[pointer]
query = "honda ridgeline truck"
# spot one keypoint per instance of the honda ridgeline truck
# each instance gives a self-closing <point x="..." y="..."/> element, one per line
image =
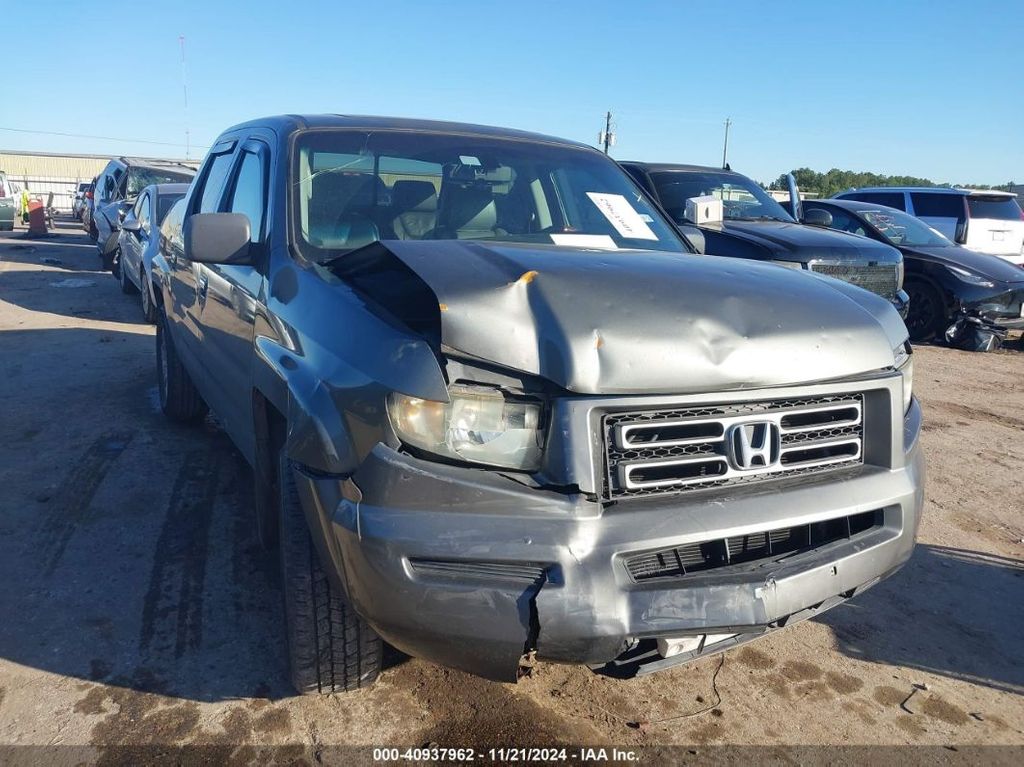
<point x="496" y="407"/>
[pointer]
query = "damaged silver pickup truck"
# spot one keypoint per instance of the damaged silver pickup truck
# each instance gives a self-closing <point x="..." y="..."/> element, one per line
<point x="496" y="406"/>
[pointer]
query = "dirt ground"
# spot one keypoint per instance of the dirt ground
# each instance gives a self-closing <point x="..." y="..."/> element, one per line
<point x="136" y="610"/>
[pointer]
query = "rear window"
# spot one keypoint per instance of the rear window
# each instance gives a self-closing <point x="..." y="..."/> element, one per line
<point x="937" y="204"/>
<point x="1001" y="208"/>
<point x="891" y="199"/>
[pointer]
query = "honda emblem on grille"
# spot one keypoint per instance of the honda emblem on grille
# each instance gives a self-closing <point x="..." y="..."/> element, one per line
<point x="753" y="445"/>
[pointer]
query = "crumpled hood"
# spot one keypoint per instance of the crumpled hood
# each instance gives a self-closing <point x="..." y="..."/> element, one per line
<point x="986" y="265"/>
<point x="802" y="243"/>
<point x="644" y="322"/>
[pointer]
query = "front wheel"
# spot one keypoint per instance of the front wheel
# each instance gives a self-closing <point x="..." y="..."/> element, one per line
<point x="330" y="648"/>
<point x="127" y="286"/>
<point x="146" y="299"/>
<point x="179" y="398"/>
<point x="926" y="313"/>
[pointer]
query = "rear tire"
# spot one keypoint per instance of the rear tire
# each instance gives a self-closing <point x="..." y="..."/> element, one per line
<point x="179" y="398"/>
<point x="926" y="314"/>
<point x="330" y="648"/>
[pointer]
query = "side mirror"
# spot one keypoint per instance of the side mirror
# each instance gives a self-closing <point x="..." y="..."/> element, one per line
<point x="817" y="217"/>
<point x="217" y="238"/>
<point x="131" y="224"/>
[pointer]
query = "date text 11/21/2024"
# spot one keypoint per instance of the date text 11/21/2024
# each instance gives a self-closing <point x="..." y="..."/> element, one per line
<point x="503" y="755"/>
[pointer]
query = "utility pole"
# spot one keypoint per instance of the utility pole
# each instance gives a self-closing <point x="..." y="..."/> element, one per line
<point x="184" y="88"/>
<point x="725" y="149"/>
<point x="606" y="137"/>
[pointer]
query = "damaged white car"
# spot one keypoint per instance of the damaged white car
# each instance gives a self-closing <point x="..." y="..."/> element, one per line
<point x="496" y="406"/>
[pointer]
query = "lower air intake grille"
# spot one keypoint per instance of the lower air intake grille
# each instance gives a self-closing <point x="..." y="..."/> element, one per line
<point x="744" y="552"/>
<point x="881" y="279"/>
<point x="517" y="572"/>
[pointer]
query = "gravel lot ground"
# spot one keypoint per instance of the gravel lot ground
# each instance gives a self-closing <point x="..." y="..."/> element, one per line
<point x="136" y="609"/>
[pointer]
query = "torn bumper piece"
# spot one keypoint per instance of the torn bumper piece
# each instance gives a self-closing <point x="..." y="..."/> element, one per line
<point x="471" y="569"/>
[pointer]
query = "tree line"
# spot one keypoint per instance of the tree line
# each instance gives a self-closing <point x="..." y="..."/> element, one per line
<point x="836" y="180"/>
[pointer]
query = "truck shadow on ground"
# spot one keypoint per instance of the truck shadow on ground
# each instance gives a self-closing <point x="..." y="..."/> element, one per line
<point x="127" y="552"/>
<point x="951" y="612"/>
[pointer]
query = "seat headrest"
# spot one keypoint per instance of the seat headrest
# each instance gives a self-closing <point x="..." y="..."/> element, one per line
<point x="470" y="207"/>
<point x="408" y="196"/>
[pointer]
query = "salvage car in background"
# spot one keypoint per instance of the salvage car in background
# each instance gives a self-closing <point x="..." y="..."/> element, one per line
<point x="139" y="241"/>
<point x="494" y="404"/>
<point x="8" y="203"/>
<point x="984" y="220"/>
<point x="968" y="298"/>
<point x="115" y="191"/>
<point x="756" y="226"/>
<point x="83" y="193"/>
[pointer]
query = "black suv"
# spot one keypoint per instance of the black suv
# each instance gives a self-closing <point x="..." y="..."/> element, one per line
<point x="756" y="226"/>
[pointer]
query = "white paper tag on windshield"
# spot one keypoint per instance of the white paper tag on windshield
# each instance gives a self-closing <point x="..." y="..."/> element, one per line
<point x="466" y="159"/>
<point x="585" y="241"/>
<point x="622" y="216"/>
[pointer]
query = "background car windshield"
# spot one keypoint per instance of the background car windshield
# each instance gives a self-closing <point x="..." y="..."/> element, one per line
<point x="902" y="229"/>
<point x="140" y="178"/>
<point x="352" y="188"/>
<point x="742" y="199"/>
<point x="996" y="206"/>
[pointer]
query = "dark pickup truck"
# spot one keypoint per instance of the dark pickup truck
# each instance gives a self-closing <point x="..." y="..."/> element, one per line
<point x="495" y="405"/>
<point x="756" y="226"/>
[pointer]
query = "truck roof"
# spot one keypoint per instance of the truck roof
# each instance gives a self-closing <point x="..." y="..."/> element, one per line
<point x="285" y="124"/>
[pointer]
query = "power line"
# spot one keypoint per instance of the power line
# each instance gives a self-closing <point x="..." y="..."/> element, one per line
<point x="98" y="138"/>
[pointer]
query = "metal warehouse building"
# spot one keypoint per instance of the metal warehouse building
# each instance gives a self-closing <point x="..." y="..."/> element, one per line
<point x="42" y="173"/>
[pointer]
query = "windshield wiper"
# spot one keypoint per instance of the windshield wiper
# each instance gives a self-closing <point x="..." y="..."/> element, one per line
<point x="756" y="218"/>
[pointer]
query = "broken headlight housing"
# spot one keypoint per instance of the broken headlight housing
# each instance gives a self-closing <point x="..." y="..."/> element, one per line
<point x="904" y="364"/>
<point x="477" y="425"/>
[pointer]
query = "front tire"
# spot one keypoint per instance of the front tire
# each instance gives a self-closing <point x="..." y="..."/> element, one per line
<point x="330" y="648"/>
<point x="146" y="299"/>
<point x="179" y="398"/>
<point x="926" y="313"/>
<point x="127" y="286"/>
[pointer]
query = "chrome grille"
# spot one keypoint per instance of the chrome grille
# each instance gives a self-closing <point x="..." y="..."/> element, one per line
<point x="882" y="279"/>
<point x="684" y="449"/>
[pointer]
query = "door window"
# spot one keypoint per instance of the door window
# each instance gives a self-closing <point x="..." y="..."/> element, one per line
<point x="937" y="204"/>
<point x="844" y="222"/>
<point x="213" y="182"/>
<point x="249" y="195"/>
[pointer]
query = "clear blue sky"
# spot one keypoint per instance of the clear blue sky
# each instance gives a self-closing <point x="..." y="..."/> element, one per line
<point x="930" y="88"/>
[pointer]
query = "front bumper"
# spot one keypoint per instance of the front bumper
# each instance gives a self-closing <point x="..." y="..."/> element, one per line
<point x="471" y="569"/>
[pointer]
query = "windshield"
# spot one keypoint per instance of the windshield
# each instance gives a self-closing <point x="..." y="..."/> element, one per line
<point x="140" y="178"/>
<point x="902" y="229"/>
<point x="352" y="188"/>
<point x="742" y="199"/>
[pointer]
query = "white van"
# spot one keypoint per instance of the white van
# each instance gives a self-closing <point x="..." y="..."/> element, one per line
<point x="987" y="221"/>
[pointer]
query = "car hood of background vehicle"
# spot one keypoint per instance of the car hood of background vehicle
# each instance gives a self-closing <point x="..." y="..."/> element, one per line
<point x="802" y="243"/>
<point x="993" y="267"/>
<point x="632" y="321"/>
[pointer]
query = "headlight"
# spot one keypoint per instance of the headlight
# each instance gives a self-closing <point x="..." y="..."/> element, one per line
<point x="904" y="363"/>
<point x="971" y="277"/>
<point x="789" y="264"/>
<point x="477" y="425"/>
